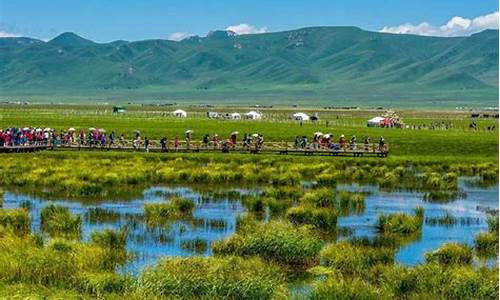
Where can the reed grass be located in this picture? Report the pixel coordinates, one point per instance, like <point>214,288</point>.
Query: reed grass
<point>277,241</point>
<point>17,220</point>
<point>400,223</point>
<point>350,259</point>
<point>56,264</point>
<point>320,218</point>
<point>58,221</point>
<point>451,254</point>
<point>212,278</point>
<point>196,245</point>
<point>486,243</point>
<point>346,289</point>
<point>162,213</point>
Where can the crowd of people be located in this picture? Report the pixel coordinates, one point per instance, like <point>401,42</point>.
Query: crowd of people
<point>100,138</point>
<point>326,141</point>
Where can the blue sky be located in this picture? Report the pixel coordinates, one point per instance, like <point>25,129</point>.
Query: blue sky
<point>107,20</point>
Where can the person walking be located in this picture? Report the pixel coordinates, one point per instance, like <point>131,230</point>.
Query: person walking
<point>146,144</point>
<point>164,144</point>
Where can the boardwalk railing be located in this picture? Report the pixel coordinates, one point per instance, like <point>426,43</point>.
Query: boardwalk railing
<point>267,148</point>
<point>281,148</point>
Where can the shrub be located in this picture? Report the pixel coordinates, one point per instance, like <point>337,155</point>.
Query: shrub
<point>212,278</point>
<point>58,221</point>
<point>277,241</point>
<point>451,254</point>
<point>16,219</point>
<point>320,218</point>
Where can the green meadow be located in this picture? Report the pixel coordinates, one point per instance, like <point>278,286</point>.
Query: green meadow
<point>276,126</point>
<point>288,243</point>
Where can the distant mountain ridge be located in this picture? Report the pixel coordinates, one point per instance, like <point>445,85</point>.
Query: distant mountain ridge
<point>327,61</point>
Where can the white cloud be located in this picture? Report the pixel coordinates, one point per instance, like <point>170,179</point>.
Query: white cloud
<point>456,26</point>
<point>4,34</point>
<point>178,36</point>
<point>246,29</point>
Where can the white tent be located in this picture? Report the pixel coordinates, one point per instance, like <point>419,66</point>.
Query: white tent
<point>375,122</point>
<point>179,113</point>
<point>300,117</point>
<point>235,116</point>
<point>253,115</point>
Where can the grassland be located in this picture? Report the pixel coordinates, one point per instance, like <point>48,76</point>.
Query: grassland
<point>276,126</point>
<point>297,246</point>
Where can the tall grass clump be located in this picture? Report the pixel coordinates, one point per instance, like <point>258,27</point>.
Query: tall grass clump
<point>437,281</point>
<point>350,259</point>
<point>276,241</point>
<point>114,243</point>
<point>212,278</point>
<point>160,213</point>
<point>486,243</point>
<point>320,218</point>
<point>346,289</point>
<point>401,223</point>
<point>104,283</point>
<point>451,254</point>
<point>59,263</point>
<point>100,215</point>
<point>17,220</point>
<point>58,221</point>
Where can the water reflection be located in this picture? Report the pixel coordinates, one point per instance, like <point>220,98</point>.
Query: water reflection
<point>471,218</point>
<point>212,220</point>
<point>216,212</point>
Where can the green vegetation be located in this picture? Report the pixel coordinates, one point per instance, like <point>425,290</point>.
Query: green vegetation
<point>451,254</point>
<point>260,68</point>
<point>58,221</point>
<point>290,225</point>
<point>350,259</point>
<point>486,243</point>
<point>320,218</point>
<point>276,241</point>
<point>400,223</point>
<point>17,220</point>
<point>213,278</point>
<point>99,215</point>
<point>160,213</point>
<point>195,245</point>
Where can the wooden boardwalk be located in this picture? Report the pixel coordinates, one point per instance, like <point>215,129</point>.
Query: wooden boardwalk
<point>268,150</point>
<point>271,149</point>
<point>18,149</point>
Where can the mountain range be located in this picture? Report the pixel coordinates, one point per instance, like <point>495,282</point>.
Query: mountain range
<point>317,63</point>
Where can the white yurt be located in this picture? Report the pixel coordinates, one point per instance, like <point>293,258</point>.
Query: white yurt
<point>300,116</point>
<point>375,122</point>
<point>253,115</point>
<point>235,116</point>
<point>179,113</point>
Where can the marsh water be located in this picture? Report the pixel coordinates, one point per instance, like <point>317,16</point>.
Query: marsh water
<point>215,218</point>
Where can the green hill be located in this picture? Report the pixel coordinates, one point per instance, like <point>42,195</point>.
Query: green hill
<point>320,64</point>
